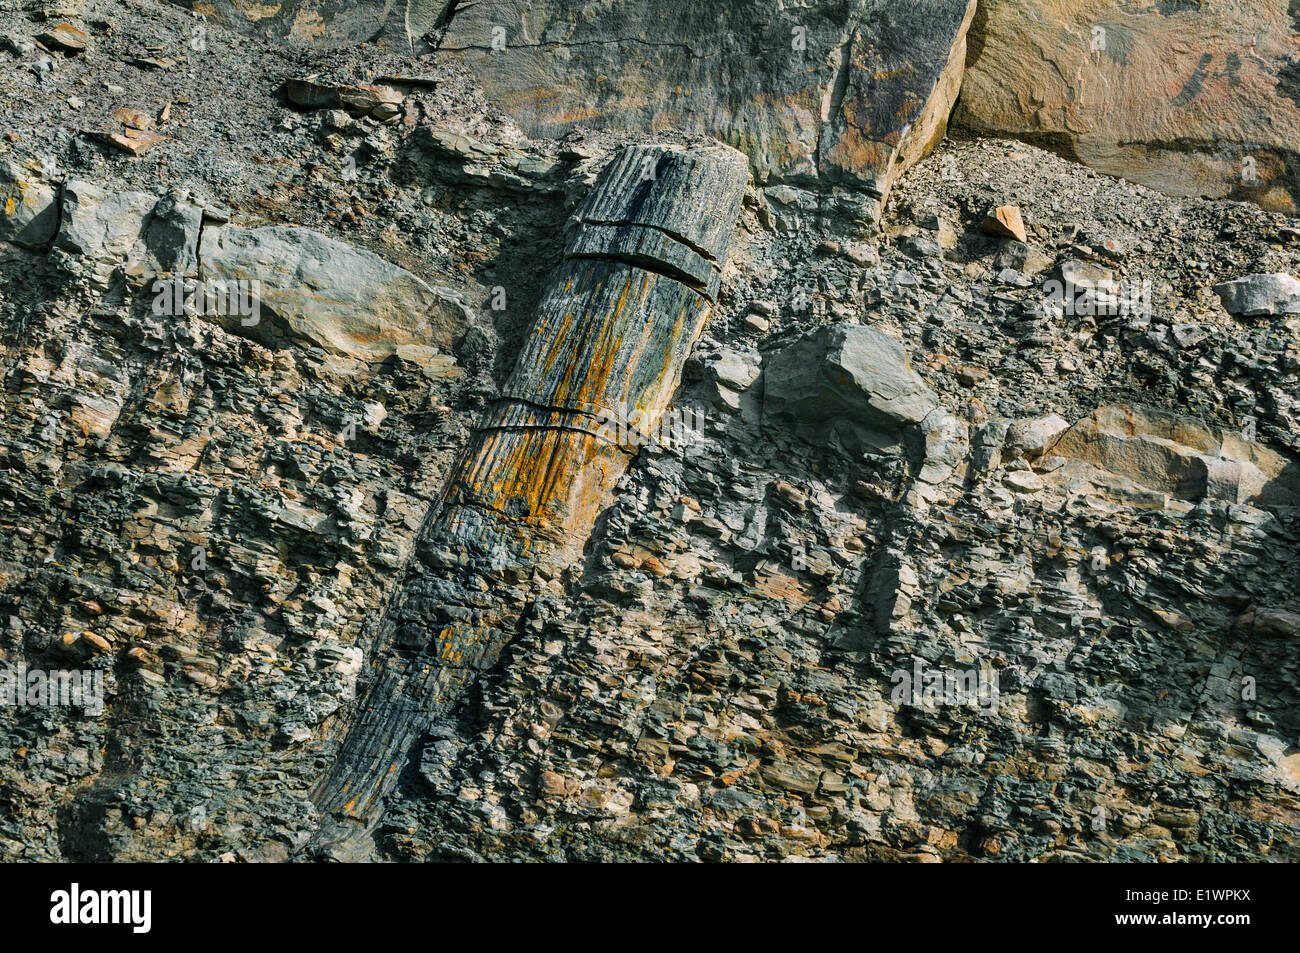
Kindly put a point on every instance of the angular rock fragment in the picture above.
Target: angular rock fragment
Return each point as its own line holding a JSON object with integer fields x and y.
{"x": 1260, "y": 295}
{"x": 850, "y": 373}
{"x": 170, "y": 238}
{"x": 99, "y": 224}
{"x": 65, "y": 37}
{"x": 146, "y": 235}
{"x": 381, "y": 102}
{"x": 1032, "y": 436}
{"x": 947, "y": 444}
{"x": 608, "y": 343}
{"x": 134, "y": 141}
{"x": 1004, "y": 221}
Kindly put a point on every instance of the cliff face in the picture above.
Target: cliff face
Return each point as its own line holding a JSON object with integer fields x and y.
{"x": 472, "y": 495}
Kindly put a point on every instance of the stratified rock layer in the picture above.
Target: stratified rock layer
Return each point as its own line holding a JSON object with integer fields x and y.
{"x": 848, "y": 92}
{"x": 839, "y": 92}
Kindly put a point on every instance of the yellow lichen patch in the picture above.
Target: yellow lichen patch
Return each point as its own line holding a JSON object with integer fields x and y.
{"x": 307, "y": 25}
{"x": 257, "y": 11}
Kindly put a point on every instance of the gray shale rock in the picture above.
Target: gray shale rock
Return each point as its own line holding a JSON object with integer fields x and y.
{"x": 849, "y": 371}
{"x": 29, "y": 214}
{"x": 346, "y": 300}
{"x": 99, "y": 224}
{"x": 1260, "y": 295}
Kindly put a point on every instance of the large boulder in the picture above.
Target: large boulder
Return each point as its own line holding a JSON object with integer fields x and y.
{"x": 144, "y": 234}
{"x": 1191, "y": 98}
{"x": 307, "y": 287}
{"x": 851, "y": 374}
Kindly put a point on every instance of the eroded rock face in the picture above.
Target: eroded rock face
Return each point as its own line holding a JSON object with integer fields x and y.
{"x": 1189, "y": 98}
{"x": 327, "y": 23}
{"x": 1180, "y": 456}
{"x": 712, "y": 670}
{"x": 850, "y": 92}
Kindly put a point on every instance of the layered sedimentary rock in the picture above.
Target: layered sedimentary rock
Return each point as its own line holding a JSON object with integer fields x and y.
{"x": 1189, "y": 98}
{"x": 717, "y": 677}
{"x": 607, "y": 346}
{"x": 834, "y": 92}
{"x": 848, "y": 92}
{"x": 328, "y": 23}
{"x": 1178, "y": 456}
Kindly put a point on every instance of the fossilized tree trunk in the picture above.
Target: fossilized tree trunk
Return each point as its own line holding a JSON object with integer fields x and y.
{"x": 640, "y": 273}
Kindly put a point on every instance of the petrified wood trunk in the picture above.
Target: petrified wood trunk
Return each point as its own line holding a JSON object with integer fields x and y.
{"x": 640, "y": 272}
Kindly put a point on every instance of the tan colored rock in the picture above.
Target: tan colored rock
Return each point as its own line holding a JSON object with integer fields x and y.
{"x": 1005, "y": 221}
{"x": 1180, "y": 456}
{"x": 1198, "y": 99}
{"x": 134, "y": 141}
{"x": 65, "y": 37}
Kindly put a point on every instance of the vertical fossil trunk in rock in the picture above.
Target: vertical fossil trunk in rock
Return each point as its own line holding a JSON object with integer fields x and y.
{"x": 640, "y": 273}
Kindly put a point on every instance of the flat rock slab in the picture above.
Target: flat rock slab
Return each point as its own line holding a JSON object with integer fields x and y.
{"x": 1195, "y": 99}
{"x": 344, "y": 299}
{"x": 1260, "y": 295}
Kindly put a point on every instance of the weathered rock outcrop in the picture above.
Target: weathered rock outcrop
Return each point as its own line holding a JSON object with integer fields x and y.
{"x": 606, "y": 347}
{"x": 850, "y": 92}
{"x": 1189, "y": 98}
{"x": 1178, "y": 456}
{"x": 227, "y": 521}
